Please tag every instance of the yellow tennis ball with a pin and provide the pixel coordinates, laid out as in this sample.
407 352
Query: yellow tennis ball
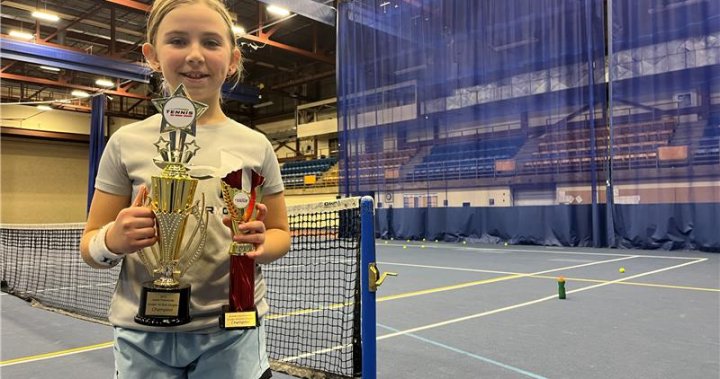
422 246
404 246
505 243
622 269
464 242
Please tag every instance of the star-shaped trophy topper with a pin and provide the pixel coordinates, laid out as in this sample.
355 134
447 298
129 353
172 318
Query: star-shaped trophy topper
179 112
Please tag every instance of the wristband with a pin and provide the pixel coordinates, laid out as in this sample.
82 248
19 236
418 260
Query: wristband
100 252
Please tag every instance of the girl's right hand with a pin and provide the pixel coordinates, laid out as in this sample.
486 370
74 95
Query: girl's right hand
134 227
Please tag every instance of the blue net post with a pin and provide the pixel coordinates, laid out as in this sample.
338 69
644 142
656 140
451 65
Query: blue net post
368 318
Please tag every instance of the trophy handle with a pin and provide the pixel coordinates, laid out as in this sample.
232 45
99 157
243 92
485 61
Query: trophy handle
149 264
192 245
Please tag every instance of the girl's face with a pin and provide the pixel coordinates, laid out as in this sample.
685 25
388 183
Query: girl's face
192 46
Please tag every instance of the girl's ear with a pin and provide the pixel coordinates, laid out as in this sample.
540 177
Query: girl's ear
234 61
148 51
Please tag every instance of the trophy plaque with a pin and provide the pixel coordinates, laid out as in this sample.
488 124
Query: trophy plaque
241 191
165 301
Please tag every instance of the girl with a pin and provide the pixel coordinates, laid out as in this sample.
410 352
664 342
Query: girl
189 42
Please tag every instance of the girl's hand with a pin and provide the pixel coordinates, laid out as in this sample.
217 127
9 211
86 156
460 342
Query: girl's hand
134 227
252 231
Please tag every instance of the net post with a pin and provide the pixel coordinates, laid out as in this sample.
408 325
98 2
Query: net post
367 256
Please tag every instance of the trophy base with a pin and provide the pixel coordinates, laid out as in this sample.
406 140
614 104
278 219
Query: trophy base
162 306
238 320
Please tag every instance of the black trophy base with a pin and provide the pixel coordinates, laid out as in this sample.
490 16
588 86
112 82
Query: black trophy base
163 306
238 320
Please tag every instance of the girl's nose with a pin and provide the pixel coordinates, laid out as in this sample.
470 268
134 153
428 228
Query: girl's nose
195 54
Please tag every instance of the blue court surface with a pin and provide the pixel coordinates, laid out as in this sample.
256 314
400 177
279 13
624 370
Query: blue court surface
477 311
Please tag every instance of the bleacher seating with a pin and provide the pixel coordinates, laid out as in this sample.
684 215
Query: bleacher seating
294 172
379 166
708 147
467 159
635 145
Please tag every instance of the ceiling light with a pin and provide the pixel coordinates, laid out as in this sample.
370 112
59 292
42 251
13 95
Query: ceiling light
43 107
48 68
46 16
105 83
21 35
282 12
79 93
238 30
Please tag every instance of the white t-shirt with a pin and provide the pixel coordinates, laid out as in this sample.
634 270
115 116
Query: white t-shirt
127 163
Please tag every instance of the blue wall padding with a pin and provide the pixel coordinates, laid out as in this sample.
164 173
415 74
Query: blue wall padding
558 225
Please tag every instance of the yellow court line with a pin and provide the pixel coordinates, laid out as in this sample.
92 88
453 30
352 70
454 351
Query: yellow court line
448 288
632 283
55 354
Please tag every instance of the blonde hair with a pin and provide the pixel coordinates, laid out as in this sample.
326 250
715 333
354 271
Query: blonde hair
161 8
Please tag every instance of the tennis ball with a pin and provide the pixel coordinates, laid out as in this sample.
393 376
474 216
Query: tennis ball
404 246
505 243
435 240
622 269
386 242
422 246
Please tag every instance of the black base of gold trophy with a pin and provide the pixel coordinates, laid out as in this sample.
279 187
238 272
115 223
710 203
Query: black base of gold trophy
161 306
165 301
241 190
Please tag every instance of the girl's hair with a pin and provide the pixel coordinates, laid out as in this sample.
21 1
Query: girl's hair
161 8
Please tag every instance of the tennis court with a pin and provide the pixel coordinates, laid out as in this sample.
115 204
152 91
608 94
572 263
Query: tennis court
477 311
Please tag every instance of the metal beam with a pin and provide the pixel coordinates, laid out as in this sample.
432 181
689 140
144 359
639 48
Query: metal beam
72 60
52 83
131 4
304 53
313 10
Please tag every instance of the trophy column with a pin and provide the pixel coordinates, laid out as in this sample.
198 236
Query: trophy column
240 191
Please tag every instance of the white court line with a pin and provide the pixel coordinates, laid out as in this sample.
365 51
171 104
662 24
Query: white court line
503 250
519 274
536 301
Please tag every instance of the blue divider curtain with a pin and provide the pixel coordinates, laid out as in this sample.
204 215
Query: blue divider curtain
97 142
557 122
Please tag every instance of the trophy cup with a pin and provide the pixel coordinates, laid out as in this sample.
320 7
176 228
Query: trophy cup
241 190
165 301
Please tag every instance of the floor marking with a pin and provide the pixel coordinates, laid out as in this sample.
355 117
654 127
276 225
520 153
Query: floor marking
486 281
531 302
468 354
55 354
671 286
503 250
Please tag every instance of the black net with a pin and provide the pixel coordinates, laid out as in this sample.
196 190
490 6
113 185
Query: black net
314 292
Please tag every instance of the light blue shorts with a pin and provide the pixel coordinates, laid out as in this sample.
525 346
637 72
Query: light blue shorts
238 354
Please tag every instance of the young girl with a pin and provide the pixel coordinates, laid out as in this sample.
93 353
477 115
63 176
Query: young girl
191 43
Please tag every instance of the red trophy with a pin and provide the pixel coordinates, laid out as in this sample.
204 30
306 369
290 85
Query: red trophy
241 190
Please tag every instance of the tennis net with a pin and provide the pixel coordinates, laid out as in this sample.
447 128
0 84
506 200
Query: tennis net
314 291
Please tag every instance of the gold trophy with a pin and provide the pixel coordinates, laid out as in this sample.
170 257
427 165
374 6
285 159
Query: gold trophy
241 191
165 301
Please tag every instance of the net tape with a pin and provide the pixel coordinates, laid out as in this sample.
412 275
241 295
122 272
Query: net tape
313 328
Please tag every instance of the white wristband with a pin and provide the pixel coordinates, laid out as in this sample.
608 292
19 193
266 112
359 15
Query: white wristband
100 252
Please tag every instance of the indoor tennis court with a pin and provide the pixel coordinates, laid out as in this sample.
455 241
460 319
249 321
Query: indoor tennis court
474 189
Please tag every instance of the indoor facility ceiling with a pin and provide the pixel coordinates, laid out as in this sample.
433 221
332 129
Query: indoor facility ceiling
288 60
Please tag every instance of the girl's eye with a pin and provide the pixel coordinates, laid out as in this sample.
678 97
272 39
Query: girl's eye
177 41
212 43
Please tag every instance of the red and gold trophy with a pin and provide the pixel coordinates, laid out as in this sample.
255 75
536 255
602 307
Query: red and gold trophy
241 190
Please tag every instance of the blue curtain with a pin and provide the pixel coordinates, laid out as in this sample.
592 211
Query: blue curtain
97 142
503 104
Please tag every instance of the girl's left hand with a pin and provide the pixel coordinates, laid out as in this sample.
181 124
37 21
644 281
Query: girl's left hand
252 231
